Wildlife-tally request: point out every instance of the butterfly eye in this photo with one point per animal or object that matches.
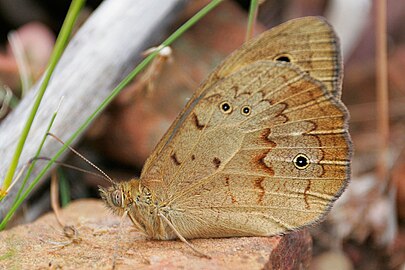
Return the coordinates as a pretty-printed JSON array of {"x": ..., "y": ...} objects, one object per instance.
[
  {"x": 225, "y": 107},
  {"x": 116, "y": 198},
  {"x": 246, "y": 110},
  {"x": 301, "y": 161},
  {"x": 283, "y": 58}
]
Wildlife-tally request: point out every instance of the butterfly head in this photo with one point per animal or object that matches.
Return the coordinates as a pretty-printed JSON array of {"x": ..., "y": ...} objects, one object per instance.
[{"x": 117, "y": 197}]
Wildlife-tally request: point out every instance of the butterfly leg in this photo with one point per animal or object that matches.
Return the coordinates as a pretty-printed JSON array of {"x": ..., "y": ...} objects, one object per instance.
[
  {"x": 118, "y": 240},
  {"x": 200, "y": 253}
]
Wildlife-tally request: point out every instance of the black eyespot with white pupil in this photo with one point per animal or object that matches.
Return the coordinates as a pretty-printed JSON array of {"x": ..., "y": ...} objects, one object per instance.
[
  {"x": 301, "y": 161},
  {"x": 225, "y": 107},
  {"x": 246, "y": 110}
]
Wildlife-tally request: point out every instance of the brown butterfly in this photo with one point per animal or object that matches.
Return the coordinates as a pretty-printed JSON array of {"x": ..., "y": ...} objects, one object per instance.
[{"x": 262, "y": 147}]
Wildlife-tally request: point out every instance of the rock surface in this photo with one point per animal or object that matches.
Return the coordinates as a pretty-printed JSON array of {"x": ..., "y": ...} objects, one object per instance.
[{"x": 42, "y": 245}]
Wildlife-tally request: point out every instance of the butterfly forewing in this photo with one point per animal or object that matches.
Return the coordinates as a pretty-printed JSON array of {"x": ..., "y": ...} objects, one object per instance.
[
  {"x": 262, "y": 147},
  {"x": 309, "y": 42}
]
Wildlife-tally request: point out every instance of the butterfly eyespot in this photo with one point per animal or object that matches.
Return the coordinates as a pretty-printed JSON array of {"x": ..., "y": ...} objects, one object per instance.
[
  {"x": 301, "y": 161},
  {"x": 225, "y": 107},
  {"x": 246, "y": 110},
  {"x": 283, "y": 58},
  {"x": 117, "y": 198}
]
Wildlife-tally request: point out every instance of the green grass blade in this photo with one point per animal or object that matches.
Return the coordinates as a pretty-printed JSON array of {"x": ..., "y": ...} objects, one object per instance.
[
  {"x": 254, "y": 6},
  {"x": 31, "y": 167},
  {"x": 64, "y": 188}
]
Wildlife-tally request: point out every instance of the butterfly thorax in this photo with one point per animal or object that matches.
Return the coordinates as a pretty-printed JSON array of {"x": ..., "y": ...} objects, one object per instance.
[{"x": 141, "y": 206}]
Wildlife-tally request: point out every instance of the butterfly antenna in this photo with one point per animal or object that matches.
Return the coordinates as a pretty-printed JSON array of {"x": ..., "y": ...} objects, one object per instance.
[
  {"x": 68, "y": 166},
  {"x": 106, "y": 177}
]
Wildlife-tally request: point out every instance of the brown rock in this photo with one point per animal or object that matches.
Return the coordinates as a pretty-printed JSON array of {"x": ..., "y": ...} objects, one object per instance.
[{"x": 41, "y": 245}]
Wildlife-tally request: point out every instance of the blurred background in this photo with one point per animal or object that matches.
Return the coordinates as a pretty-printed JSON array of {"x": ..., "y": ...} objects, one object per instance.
[{"x": 365, "y": 229}]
